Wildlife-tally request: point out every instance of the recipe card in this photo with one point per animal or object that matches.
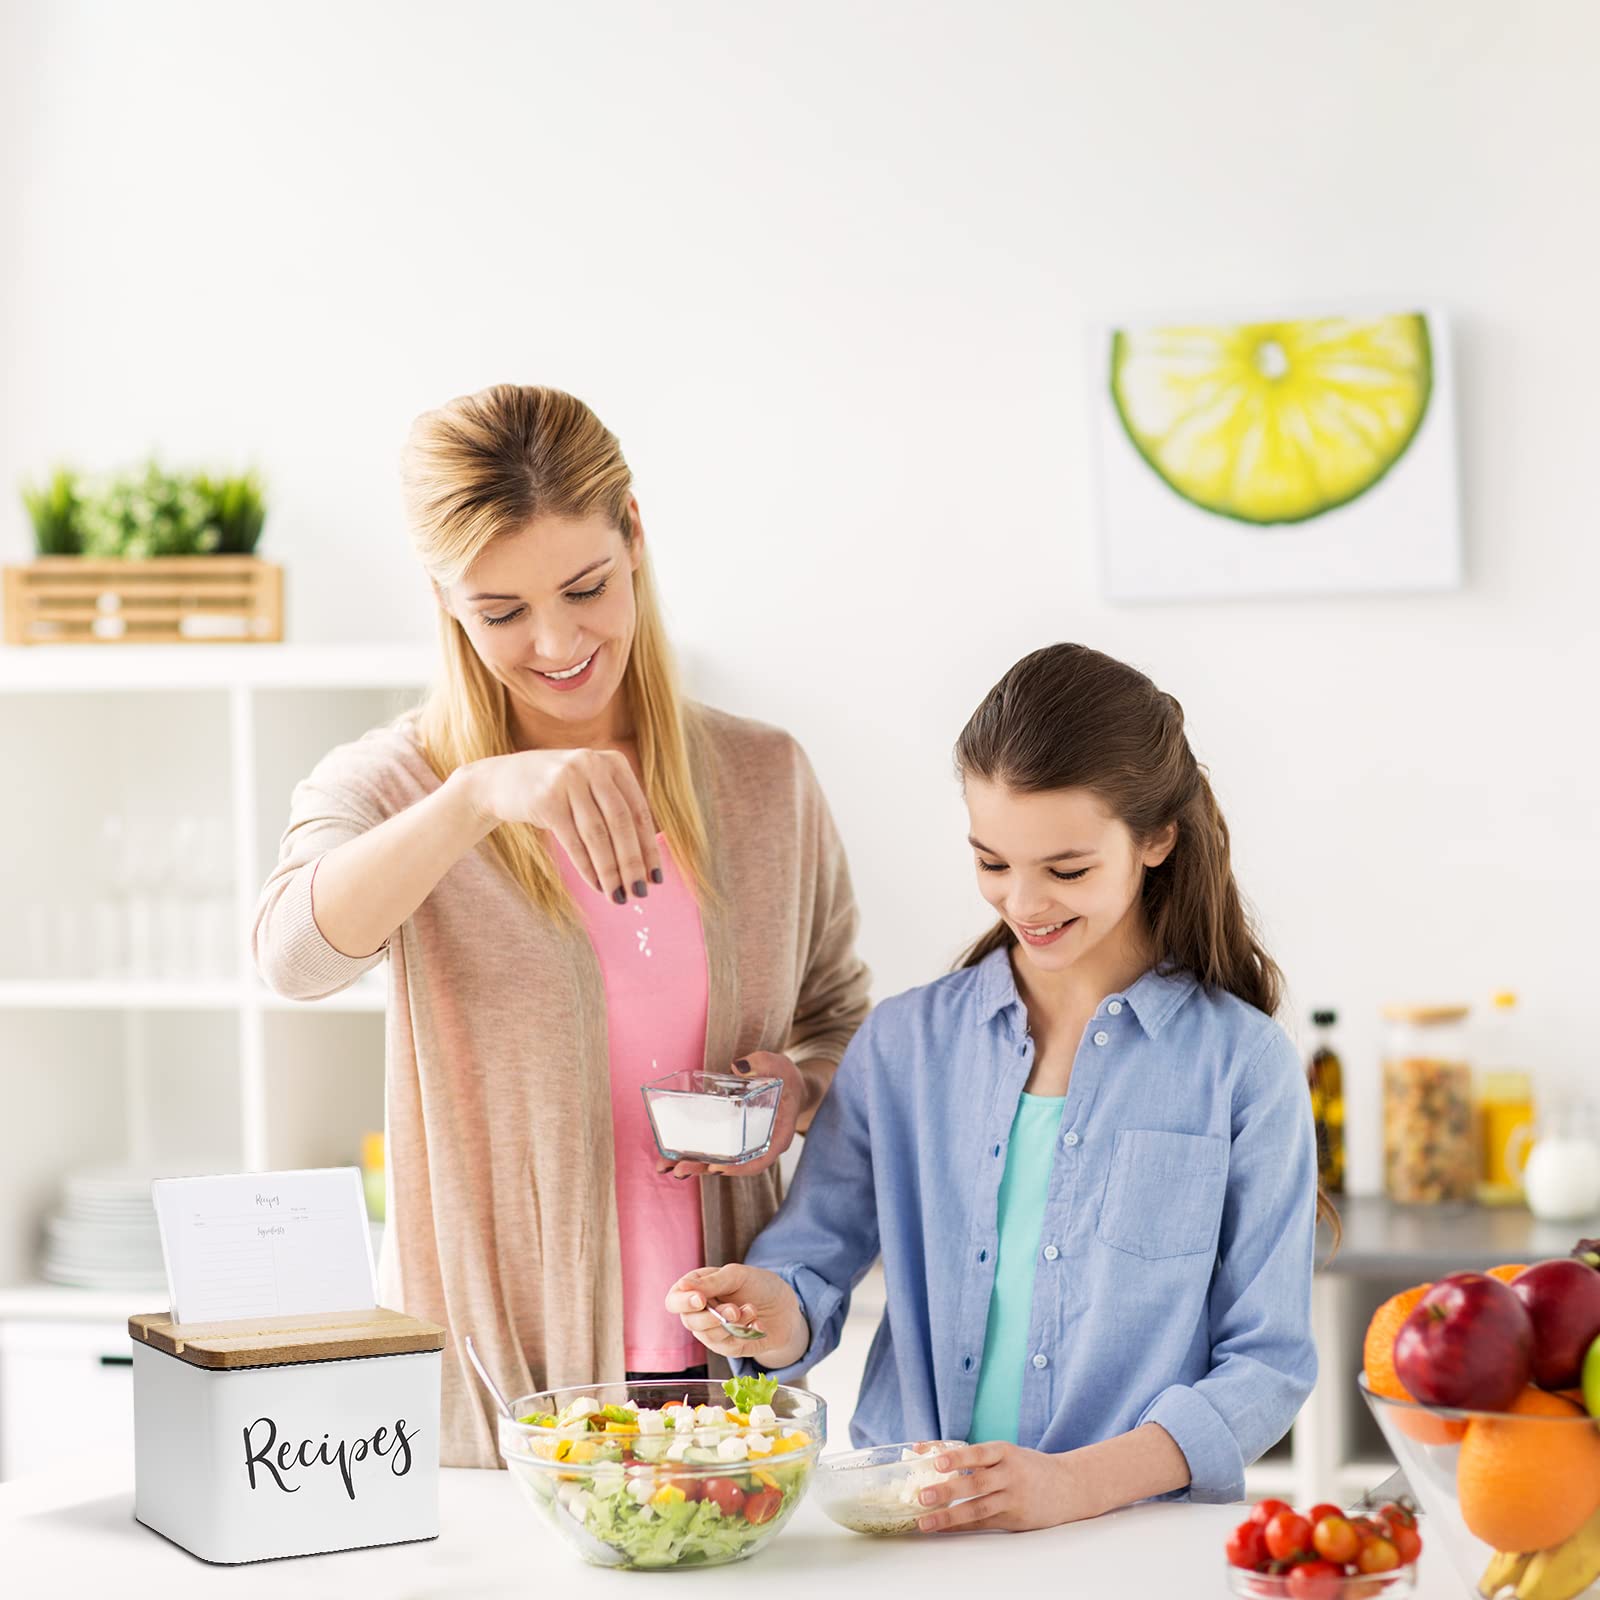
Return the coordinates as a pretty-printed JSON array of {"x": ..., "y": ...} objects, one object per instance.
[{"x": 265, "y": 1244}]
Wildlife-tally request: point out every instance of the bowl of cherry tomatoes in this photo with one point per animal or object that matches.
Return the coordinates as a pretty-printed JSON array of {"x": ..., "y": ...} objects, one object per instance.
[{"x": 1277, "y": 1553}]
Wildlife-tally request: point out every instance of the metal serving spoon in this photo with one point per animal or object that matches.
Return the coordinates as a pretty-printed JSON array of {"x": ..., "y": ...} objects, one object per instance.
[
  {"x": 607, "y": 1555},
  {"x": 733, "y": 1329}
]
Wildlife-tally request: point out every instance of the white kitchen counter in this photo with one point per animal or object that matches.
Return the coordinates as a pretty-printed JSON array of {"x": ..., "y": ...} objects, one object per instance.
[{"x": 69, "y": 1532}]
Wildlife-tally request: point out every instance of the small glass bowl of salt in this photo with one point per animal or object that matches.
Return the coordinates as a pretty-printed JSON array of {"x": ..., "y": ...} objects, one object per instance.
[{"x": 712, "y": 1116}]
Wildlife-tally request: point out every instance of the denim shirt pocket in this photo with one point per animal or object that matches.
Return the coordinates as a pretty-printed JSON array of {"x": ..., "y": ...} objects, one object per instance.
[{"x": 1164, "y": 1193}]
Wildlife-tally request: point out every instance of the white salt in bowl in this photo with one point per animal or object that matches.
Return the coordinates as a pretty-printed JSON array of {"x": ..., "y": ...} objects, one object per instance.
[{"x": 712, "y": 1116}]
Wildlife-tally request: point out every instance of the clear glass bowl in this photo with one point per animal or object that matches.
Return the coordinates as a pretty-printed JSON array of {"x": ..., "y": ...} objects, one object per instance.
[
  {"x": 618, "y": 1509},
  {"x": 1263, "y": 1586},
  {"x": 1491, "y": 1482},
  {"x": 875, "y": 1491},
  {"x": 712, "y": 1116}
]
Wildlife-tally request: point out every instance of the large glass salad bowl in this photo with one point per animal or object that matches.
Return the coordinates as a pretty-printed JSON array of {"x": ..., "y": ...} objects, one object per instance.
[{"x": 656, "y": 1475}]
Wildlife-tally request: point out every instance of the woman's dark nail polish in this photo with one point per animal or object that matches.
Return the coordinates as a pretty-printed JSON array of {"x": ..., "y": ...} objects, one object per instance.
[
  {"x": 620, "y": 895},
  {"x": 641, "y": 889},
  {"x": 742, "y": 1067},
  {"x": 657, "y": 876}
]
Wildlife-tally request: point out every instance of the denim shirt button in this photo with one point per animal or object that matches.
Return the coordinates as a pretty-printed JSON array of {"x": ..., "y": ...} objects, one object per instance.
[
  {"x": 1050, "y": 1252},
  {"x": 1041, "y": 1361},
  {"x": 1069, "y": 1139},
  {"x": 1102, "y": 1037},
  {"x": 1115, "y": 1008}
]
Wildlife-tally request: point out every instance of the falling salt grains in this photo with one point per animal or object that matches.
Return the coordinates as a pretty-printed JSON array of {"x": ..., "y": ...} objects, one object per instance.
[{"x": 643, "y": 936}]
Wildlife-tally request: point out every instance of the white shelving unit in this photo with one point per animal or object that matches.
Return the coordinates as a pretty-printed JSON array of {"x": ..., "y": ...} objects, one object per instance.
[{"x": 215, "y": 1070}]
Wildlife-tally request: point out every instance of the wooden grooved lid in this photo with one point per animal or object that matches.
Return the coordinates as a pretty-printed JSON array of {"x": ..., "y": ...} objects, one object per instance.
[{"x": 279, "y": 1341}]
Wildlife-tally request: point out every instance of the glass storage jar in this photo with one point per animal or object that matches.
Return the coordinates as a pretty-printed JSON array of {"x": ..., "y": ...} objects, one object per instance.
[{"x": 1429, "y": 1149}]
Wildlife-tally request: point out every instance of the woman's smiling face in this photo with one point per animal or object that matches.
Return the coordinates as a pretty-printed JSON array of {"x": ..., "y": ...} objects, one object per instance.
[
  {"x": 550, "y": 612},
  {"x": 1062, "y": 871}
]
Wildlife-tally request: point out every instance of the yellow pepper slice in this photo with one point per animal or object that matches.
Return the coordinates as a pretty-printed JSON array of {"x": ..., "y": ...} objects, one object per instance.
[{"x": 669, "y": 1495}]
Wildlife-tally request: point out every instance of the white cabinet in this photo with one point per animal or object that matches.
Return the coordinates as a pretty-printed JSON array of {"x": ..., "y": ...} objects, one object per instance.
[
  {"x": 65, "y": 1387},
  {"x": 192, "y": 1061}
]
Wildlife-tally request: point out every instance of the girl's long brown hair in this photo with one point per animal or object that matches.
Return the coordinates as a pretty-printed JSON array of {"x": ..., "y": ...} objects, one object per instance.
[{"x": 1068, "y": 717}]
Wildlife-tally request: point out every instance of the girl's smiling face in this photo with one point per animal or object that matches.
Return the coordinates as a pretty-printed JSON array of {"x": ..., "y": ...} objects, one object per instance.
[
  {"x": 550, "y": 612},
  {"x": 1062, "y": 871}
]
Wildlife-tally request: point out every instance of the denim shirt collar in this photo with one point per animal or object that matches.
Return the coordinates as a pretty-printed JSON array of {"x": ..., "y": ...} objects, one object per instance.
[{"x": 1154, "y": 998}]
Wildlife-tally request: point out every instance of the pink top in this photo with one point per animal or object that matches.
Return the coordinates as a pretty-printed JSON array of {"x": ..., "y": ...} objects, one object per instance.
[{"x": 652, "y": 955}]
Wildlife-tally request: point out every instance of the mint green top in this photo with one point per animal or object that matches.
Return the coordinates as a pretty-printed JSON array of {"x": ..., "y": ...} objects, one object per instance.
[{"x": 998, "y": 1407}]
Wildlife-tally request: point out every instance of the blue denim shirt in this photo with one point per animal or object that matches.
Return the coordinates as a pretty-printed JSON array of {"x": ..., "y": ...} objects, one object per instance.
[{"x": 1173, "y": 1282}]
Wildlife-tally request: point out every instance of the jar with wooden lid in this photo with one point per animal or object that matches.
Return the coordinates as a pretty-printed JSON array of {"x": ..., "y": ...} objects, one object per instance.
[{"x": 1429, "y": 1145}]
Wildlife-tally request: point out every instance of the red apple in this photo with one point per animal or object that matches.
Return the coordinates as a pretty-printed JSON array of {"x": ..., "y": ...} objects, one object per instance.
[
  {"x": 1563, "y": 1303},
  {"x": 1468, "y": 1343}
]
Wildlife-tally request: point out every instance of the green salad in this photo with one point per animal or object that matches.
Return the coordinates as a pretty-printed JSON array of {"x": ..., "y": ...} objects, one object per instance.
[{"x": 680, "y": 1486}]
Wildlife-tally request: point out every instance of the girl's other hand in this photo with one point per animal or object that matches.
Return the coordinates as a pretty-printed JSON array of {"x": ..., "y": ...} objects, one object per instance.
[{"x": 1010, "y": 1488}]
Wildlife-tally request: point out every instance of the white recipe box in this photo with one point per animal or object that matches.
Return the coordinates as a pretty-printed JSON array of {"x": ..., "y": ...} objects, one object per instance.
[{"x": 286, "y": 1436}]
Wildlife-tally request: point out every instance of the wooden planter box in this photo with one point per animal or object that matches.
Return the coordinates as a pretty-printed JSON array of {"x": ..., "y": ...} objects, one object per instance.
[{"x": 166, "y": 600}]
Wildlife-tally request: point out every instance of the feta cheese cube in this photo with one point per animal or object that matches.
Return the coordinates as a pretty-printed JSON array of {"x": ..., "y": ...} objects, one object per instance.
[{"x": 732, "y": 1448}]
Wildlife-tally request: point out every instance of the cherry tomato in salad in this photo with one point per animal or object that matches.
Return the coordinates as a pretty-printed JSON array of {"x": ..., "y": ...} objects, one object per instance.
[
  {"x": 1288, "y": 1535},
  {"x": 1247, "y": 1546},
  {"x": 1321, "y": 1510},
  {"x": 1315, "y": 1580},
  {"x": 729, "y": 1497},
  {"x": 1335, "y": 1539},
  {"x": 1265, "y": 1510},
  {"x": 762, "y": 1505}
]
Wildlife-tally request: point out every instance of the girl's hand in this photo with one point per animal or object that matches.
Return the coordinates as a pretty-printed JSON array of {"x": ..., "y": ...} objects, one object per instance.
[
  {"x": 758, "y": 1064},
  {"x": 1011, "y": 1488},
  {"x": 589, "y": 799},
  {"x": 750, "y": 1297}
]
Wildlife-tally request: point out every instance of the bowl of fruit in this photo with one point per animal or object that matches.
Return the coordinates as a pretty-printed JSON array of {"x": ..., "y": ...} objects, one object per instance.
[
  {"x": 1326, "y": 1554},
  {"x": 1487, "y": 1388},
  {"x": 655, "y": 1474}
]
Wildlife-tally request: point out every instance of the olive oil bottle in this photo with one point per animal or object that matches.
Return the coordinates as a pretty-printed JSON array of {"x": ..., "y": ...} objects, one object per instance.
[{"x": 1326, "y": 1074}]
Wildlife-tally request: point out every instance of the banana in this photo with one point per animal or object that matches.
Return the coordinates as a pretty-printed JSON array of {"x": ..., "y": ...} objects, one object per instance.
[
  {"x": 1567, "y": 1569},
  {"x": 1504, "y": 1571}
]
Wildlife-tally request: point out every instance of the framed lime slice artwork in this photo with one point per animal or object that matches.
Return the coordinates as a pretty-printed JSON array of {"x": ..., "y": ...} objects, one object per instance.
[{"x": 1273, "y": 422}]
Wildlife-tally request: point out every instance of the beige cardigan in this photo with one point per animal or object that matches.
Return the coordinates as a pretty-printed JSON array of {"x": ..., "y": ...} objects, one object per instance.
[{"x": 503, "y": 1219}]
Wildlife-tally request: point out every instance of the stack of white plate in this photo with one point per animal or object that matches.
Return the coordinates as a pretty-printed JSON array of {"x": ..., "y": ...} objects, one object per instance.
[{"x": 105, "y": 1234}]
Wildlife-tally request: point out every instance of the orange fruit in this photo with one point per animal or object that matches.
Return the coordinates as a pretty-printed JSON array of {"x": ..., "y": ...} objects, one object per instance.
[
  {"x": 1528, "y": 1485},
  {"x": 1377, "y": 1351},
  {"x": 1506, "y": 1274},
  {"x": 1377, "y": 1357}
]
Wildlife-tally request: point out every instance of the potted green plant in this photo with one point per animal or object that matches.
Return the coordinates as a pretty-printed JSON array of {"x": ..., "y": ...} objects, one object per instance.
[{"x": 144, "y": 554}]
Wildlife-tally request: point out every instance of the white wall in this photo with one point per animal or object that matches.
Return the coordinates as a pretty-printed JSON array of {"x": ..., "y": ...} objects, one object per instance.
[{"x": 826, "y": 270}]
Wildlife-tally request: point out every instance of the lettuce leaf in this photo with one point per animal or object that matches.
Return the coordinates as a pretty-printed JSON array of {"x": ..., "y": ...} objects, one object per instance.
[{"x": 747, "y": 1393}]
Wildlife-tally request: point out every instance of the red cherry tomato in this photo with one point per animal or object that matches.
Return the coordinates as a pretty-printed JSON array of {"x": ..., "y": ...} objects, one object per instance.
[
  {"x": 1288, "y": 1535},
  {"x": 1315, "y": 1580},
  {"x": 762, "y": 1505},
  {"x": 1334, "y": 1539},
  {"x": 1407, "y": 1543},
  {"x": 1397, "y": 1515},
  {"x": 1264, "y": 1511},
  {"x": 728, "y": 1495},
  {"x": 1247, "y": 1546},
  {"x": 1379, "y": 1556},
  {"x": 1321, "y": 1510}
]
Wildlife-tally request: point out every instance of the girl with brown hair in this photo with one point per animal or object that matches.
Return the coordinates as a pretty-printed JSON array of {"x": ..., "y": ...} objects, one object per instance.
[
  {"x": 581, "y": 880},
  {"x": 1086, "y": 1157}
]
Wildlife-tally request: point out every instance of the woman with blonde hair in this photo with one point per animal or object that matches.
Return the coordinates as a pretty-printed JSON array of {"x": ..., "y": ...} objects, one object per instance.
[{"x": 581, "y": 880}]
